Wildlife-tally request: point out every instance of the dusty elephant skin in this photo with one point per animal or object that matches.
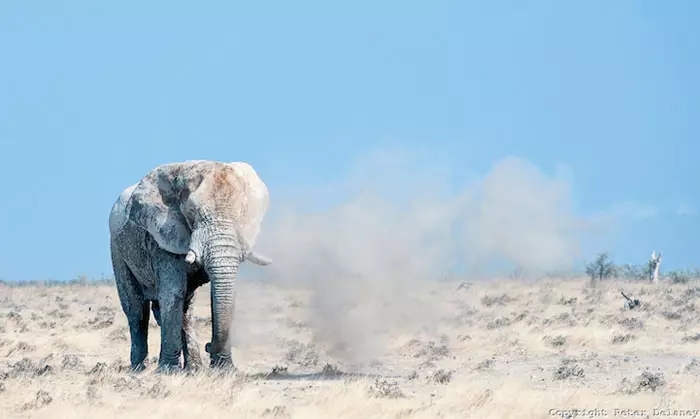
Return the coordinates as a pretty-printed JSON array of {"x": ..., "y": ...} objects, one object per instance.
[{"x": 183, "y": 225}]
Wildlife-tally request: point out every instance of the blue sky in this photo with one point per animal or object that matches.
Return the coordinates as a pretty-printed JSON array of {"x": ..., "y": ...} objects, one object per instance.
[{"x": 93, "y": 95}]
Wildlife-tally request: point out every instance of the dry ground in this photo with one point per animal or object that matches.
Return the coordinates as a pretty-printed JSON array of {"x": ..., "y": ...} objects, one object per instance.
[{"x": 494, "y": 350}]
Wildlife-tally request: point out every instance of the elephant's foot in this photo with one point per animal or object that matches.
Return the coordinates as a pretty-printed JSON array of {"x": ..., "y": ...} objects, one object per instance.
[
  {"x": 139, "y": 359},
  {"x": 168, "y": 365},
  {"x": 193, "y": 364},
  {"x": 168, "y": 369},
  {"x": 221, "y": 360},
  {"x": 138, "y": 367}
]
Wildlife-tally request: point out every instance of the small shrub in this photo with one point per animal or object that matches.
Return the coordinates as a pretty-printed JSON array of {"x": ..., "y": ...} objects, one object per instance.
[
  {"x": 555, "y": 341},
  {"x": 276, "y": 412},
  {"x": 278, "y": 371},
  {"x": 382, "y": 388},
  {"x": 41, "y": 399},
  {"x": 568, "y": 369},
  {"x": 671, "y": 315},
  {"x": 678, "y": 277},
  {"x": 498, "y": 323},
  {"x": 500, "y": 300},
  {"x": 157, "y": 391},
  {"x": 693, "y": 366},
  {"x": 484, "y": 365},
  {"x": 691, "y": 339},
  {"x": 71, "y": 362},
  {"x": 619, "y": 339},
  {"x": 632, "y": 323},
  {"x": 638, "y": 272},
  {"x": 441, "y": 376},
  {"x": 567, "y": 300},
  {"x": 647, "y": 381},
  {"x": 331, "y": 370}
]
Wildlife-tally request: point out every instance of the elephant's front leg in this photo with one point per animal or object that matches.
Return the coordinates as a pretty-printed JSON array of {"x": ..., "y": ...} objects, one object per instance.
[
  {"x": 172, "y": 278},
  {"x": 190, "y": 344}
]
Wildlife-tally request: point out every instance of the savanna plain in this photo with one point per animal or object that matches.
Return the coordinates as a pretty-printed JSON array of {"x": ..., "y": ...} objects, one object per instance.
[{"x": 503, "y": 348}]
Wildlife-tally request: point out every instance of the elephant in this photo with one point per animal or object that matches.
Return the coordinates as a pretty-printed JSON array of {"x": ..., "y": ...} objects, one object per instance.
[{"x": 185, "y": 224}]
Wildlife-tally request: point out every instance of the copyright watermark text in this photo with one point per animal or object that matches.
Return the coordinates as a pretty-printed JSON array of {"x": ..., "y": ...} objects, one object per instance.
[{"x": 625, "y": 413}]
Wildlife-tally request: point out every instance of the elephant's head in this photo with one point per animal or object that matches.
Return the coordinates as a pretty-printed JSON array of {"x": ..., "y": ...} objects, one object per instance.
[{"x": 210, "y": 212}]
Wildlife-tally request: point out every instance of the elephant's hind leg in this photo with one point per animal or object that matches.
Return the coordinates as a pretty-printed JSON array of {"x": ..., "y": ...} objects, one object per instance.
[
  {"x": 136, "y": 309},
  {"x": 190, "y": 344}
]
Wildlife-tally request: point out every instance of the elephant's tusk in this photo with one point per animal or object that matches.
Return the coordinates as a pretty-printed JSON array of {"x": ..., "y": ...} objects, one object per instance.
[
  {"x": 191, "y": 257},
  {"x": 258, "y": 259}
]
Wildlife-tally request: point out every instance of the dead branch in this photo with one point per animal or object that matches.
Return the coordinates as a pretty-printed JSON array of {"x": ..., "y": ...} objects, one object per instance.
[{"x": 631, "y": 303}]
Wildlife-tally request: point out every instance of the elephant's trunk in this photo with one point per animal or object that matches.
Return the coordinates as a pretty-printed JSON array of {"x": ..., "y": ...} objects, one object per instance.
[{"x": 221, "y": 261}]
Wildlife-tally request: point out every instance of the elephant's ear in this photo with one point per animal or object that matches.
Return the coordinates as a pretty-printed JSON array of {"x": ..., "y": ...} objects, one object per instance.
[{"x": 155, "y": 207}]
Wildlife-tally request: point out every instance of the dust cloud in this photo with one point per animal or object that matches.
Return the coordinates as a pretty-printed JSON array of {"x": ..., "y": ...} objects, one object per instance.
[{"x": 401, "y": 224}]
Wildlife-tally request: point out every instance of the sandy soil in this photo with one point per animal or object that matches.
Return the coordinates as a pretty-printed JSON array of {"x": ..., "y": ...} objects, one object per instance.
[{"x": 501, "y": 349}]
